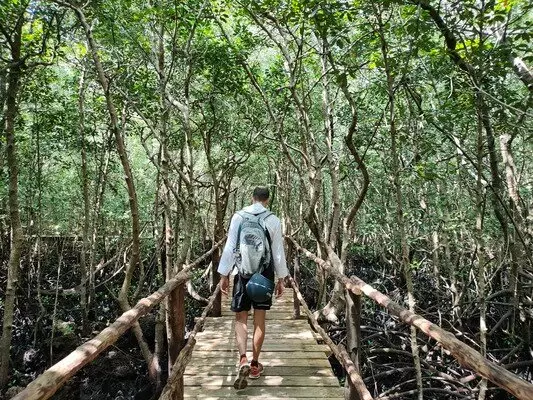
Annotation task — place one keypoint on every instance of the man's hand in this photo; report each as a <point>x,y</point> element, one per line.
<point>280,286</point>
<point>224,284</point>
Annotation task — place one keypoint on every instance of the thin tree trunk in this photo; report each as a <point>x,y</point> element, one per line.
<point>168,313</point>
<point>38,241</point>
<point>159,340</point>
<point>14,216</point>
<point>56,298</point>
<point>176,300</point>
<point>480,250</point>
<point>336,303</point>
<point>519,216</point>
<point>435,240</point>
<point>496,193</point>
<point>3,97</point>
<point>97,208</point>
<point>396,169</point>
<point>327,111</point>
<point>221,203</point>
<point>84,268</point>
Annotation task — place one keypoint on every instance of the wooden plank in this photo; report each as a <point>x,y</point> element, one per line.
<point>270,316</point>
<point>292,363</point>
<point>265,355</point>
<point>253,392</point>
<point>222,341</point>
<point>230,320</point>
<point>268,381</point>
<point>228,323</point>
<point>266,347</point>
<point>270,334</point>
<point>290,370</point>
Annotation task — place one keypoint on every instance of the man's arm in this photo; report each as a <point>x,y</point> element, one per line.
<point>227,259</point>
<point>278,254</point>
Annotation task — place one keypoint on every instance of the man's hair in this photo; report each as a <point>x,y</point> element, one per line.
<point>261,193</point>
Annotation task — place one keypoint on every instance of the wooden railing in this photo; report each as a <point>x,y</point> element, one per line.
<point>52,379</point>
<point>174,387</point>
<point>340,353</point>
<point>56,376</point>
<point>464,354</point>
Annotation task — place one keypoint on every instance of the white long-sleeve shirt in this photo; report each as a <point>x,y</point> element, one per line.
<point>273,224</point>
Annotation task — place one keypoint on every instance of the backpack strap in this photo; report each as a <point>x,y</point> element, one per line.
<point>262,219</point>
<point>266,215</point>
<point>237,242</point>
<point>269,270</point>
<point>263,216</point>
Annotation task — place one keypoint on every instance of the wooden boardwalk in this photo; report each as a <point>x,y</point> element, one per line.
<point>295,365</point>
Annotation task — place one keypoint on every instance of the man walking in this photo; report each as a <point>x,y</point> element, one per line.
<point>257,254</point>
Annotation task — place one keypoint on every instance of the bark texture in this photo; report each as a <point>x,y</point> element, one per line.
<point>13,83</point>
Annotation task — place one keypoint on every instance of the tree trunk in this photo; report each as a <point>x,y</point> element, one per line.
<point>159,238</point>
<point>396,170</point>
<point>3,97</point>
<point>14,216</point>
<point>435,255</point>
<point>38,240</point>
<point>480,250</point>
<point>218,233</point>
<point>496,194</point>
<point>96,220</point>
<point>336,303</point>
<point>520,216</point>
<point>176,300</point>
<point>84,267</point>
<point>353,340</point>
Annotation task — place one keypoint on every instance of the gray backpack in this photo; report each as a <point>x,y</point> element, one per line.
<point>252,252</point>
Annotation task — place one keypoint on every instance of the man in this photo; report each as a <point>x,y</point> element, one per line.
<point>241,302</point>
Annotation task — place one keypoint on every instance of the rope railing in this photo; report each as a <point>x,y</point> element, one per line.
<point>174,387</point>
<point>54,377</point>
<point>339,353</point>
<point>464,354</point>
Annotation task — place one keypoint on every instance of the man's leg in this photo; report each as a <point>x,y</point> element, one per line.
<point>259,338</point>
<point>241,305</point>
<point>241,333</point>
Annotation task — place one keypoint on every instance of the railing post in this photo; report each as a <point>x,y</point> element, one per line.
<point>216,311</point>
<point>296,277</point>
<point>353,338</point>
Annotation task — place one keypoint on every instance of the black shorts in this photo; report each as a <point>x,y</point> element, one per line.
<point>241,301</point>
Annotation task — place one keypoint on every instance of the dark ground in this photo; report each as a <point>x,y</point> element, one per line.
<point>120,372</point>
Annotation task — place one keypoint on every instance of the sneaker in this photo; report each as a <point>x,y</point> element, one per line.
<point>241,382</point>
<point>256,371</point>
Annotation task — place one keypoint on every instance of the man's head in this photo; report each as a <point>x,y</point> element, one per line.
<point>261,194</point>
